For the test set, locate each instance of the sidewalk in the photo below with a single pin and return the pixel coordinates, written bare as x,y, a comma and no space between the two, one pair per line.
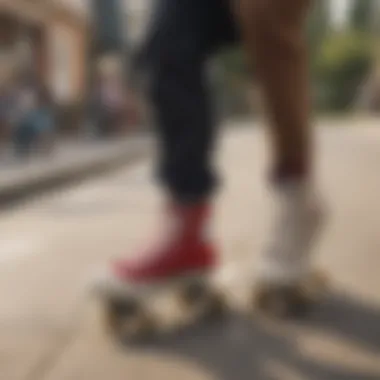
50,328
50,248
70,160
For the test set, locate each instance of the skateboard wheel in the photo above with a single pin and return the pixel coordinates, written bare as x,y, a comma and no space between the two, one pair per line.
127,321
217,306
294,300
194,294
282,302
202,297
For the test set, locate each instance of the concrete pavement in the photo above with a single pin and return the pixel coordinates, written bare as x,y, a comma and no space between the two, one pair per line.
69,161
50,247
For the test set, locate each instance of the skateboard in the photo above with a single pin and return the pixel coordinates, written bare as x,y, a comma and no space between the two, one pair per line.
289,301
136,315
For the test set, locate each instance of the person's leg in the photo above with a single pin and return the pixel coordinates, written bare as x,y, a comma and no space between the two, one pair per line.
274,37
183,34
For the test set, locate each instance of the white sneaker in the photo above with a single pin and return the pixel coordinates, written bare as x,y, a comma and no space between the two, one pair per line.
299,216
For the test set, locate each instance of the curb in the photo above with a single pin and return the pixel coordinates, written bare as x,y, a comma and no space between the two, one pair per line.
56,176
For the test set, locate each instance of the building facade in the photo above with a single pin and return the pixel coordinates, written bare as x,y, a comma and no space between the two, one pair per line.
48,38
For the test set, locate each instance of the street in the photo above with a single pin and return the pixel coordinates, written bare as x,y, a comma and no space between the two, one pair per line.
51,247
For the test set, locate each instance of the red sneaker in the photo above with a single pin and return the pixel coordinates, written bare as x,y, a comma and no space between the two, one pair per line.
184,251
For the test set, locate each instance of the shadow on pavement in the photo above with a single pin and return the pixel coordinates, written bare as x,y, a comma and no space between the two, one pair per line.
350,318
242,348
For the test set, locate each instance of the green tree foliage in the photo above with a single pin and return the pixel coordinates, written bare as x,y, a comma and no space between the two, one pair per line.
234,62
341,67
340,59
361,14
233,80
318,26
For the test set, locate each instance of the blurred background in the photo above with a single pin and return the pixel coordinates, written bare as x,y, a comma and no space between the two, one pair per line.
344,53
58,59
60,73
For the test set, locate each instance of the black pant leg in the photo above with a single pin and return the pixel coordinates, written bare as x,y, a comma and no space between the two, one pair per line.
182,35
